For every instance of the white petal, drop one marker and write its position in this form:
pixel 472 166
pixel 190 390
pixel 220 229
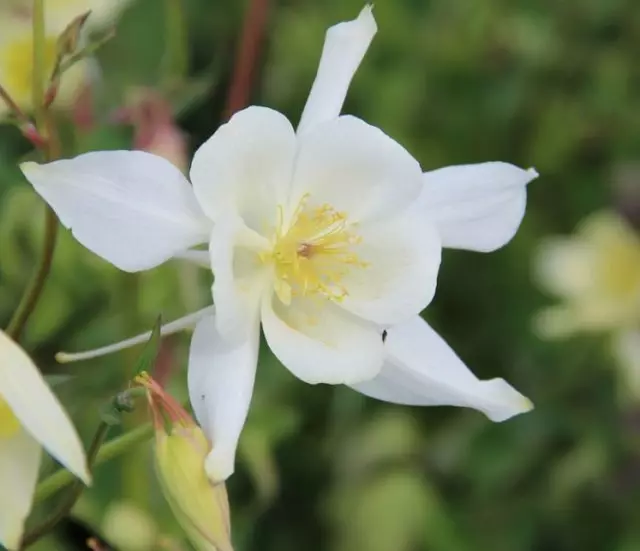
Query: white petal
pixel 476 207
pixel 25 391
pixel 240 277
pixel 421 369
pixel 357 169
pixel 19 464
pixel 245 167
pixel 319 343
pixel 220 381
pixel 134 209
pixel 344 47
pixel 399 278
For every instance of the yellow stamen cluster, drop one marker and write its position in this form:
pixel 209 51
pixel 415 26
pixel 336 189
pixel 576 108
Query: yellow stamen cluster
pixel 9 424
pixel 312 254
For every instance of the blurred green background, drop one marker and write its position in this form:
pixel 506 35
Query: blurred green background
pixel 554 85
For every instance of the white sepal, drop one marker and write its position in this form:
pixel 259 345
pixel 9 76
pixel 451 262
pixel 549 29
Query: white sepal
pixel 421 369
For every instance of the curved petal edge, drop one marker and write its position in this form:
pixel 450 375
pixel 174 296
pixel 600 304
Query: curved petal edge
pixel 476 207
pixel 421 369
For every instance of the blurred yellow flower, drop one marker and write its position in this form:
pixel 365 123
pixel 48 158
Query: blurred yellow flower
pixel 16 73
pixel 60 13
pixel 16 48
pixel 16 53
pixel 200 507
pixel 596 273
pixel 30 418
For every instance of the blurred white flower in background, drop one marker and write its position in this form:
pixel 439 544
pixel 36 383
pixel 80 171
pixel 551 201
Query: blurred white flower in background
pixel 328 237
pixel 129 527
pixel 596 274
pixel 16 48
pixel 30 418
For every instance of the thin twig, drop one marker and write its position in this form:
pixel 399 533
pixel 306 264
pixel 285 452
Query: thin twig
pixel 90 49
pixel 252 34
pixel 51 151
pixel 34 289
pixel 12 105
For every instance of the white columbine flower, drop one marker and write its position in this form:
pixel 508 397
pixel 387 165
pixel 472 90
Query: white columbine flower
pixel 325 236
pixel 30 418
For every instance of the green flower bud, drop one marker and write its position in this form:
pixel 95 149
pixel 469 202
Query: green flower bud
pixel 200 507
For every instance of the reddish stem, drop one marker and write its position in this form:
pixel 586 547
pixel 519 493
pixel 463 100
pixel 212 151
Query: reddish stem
pixel 245 63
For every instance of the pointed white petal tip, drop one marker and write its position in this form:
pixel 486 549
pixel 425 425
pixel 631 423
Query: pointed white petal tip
pixel 367 20
pixel 76 463
pixel 85 476
pixel 533 173
pixel 345 45
pixel 503 401
pixel 219 465
pixel 12 538
pixel 64 357
pixel 29 167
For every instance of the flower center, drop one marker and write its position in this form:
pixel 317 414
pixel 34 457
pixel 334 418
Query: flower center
pixel 9 423
pixel 313 254
pixel 16 66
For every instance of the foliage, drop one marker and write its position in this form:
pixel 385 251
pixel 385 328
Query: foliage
pixel 544 84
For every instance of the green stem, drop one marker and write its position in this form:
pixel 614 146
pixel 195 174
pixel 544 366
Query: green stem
pixel 34 289
pixel 135 476
pixel 46 127
pixel 66 504
pixel 39 61
pixel 176 57
pixel 62 478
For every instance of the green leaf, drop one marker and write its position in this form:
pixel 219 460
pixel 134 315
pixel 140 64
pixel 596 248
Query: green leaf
pixel 150 352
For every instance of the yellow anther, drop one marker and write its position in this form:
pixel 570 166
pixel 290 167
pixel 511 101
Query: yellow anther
pixel 313 253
